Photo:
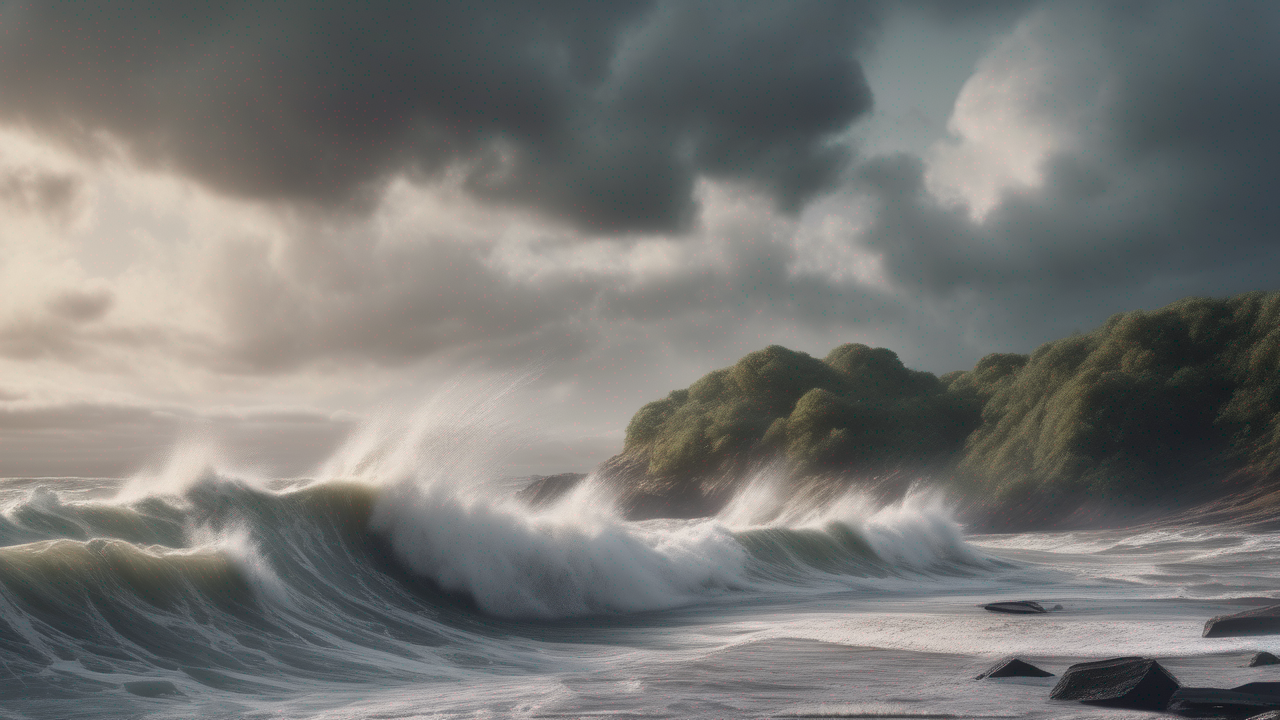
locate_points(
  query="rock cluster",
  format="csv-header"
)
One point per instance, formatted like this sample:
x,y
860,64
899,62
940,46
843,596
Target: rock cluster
x,y
1140,683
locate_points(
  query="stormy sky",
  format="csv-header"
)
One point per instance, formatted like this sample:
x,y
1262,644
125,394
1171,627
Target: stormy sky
x,y
257,225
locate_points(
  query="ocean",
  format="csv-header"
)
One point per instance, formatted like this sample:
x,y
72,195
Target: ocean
x,y
400,581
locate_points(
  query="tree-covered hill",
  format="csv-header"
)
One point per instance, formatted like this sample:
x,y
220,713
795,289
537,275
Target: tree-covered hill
x,y
1166,406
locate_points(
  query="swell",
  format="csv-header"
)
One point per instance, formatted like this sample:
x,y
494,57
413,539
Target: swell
x,y
243,589
255,592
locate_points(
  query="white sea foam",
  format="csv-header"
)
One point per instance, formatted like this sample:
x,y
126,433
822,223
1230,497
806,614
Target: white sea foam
x,y
577,557
564,562
445,520
1086,629
917,532
192,461
237,545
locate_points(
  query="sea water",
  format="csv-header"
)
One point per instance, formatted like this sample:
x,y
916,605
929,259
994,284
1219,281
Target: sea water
x,y
403,581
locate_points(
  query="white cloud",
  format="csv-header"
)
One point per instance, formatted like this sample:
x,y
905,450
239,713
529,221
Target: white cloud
x,y
1036,94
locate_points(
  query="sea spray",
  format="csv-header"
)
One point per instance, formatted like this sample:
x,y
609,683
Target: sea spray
x,y
193,459
448,521
919,532
852,532
578,557
216,580
565,561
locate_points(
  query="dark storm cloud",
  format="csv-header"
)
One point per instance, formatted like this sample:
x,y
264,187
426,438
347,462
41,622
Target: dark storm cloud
x,y
1165,187
603,113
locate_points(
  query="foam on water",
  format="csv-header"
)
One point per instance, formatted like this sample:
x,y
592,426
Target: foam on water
x,y
1092,628
565,561
447,521
218,581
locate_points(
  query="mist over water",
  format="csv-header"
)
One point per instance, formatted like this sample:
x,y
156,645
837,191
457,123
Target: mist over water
x,y
407,563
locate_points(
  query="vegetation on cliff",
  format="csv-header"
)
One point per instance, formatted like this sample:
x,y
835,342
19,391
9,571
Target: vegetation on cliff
x,y
1150,405
859,406
1153,404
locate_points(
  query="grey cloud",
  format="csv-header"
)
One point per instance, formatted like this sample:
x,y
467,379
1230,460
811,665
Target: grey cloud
x,y
32,338
338,295
82,305
606,115
602,113
1167,190
1196,77
343,294
49,193
952,11
1167,193
755,278
71,330
106,440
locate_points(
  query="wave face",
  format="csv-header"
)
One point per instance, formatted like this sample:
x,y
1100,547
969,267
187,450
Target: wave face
x,y
397,564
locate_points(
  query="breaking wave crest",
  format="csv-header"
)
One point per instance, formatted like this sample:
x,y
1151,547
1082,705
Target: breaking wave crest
x,y
392,563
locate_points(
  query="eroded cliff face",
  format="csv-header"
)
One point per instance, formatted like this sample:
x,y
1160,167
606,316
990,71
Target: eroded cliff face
x,y
1153,411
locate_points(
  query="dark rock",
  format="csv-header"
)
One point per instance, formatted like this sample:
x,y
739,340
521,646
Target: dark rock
x,y
152,688
1013,667
1259,688
1128,682
1016,607
1056,607
1237,702
1259,621
546,490
1263,658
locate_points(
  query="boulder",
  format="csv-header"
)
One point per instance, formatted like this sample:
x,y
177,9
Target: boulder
x,y
1013,667
1263,658
1259,688
1241,701
1128,682
1259,621
1016,607
152,688
1273,715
